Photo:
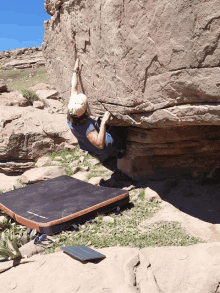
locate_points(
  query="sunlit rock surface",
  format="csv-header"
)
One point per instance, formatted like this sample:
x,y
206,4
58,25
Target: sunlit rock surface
x,y
153,64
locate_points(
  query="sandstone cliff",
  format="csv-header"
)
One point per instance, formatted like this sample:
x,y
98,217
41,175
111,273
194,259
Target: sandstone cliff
x,y
155,65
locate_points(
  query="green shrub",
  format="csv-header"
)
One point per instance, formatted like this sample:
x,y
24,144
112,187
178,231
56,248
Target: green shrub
x,y
30,96
9,248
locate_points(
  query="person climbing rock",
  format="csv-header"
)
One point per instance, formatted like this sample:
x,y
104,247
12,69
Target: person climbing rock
x,y
100,140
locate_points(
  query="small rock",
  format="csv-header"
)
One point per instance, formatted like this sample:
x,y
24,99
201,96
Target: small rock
x,y
2,219
108,219
8,183
58,158
135,197
57,249
93,162
152,195
82,159
102,168
95,180
69,157
38,104
129,187
68,146
76,162
81,175
42,174
40,86
47,94
56,240
54,105
83,152
75,169
86,168
56,163
42,161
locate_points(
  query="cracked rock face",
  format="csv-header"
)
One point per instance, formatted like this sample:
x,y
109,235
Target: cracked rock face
x,y
155,66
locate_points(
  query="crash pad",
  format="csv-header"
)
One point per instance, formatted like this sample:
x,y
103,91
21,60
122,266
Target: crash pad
x,y
54,205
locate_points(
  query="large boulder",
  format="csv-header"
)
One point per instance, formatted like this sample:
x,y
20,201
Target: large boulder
x,y
155,66
27,134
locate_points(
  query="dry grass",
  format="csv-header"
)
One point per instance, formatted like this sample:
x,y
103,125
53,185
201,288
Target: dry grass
x,y
23,79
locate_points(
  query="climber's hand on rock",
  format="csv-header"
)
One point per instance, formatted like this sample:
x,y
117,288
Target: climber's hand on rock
x,y
76,64
106,117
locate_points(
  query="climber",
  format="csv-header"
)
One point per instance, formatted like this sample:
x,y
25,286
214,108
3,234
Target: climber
x,y
100,140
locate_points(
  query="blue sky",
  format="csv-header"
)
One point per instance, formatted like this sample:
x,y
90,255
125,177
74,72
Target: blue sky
x,y
21,24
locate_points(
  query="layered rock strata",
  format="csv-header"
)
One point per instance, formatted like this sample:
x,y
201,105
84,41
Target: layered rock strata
x,y
22,58
155,66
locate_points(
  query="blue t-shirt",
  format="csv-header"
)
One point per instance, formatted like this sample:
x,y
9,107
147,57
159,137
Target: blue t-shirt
x,y
81,131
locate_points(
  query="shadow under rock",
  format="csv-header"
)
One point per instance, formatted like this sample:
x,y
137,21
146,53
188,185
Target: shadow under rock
x,y
199,198
118,180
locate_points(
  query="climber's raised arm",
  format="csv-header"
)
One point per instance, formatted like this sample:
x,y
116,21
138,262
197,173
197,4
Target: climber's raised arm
x,y
74,78
92,135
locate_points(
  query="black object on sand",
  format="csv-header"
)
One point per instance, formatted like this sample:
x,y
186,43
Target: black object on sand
x,y
83,253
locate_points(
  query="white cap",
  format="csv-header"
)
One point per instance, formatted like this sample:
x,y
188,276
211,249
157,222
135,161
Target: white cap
x,y
77,104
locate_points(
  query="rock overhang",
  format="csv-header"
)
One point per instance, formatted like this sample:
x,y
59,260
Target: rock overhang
x,y
153,65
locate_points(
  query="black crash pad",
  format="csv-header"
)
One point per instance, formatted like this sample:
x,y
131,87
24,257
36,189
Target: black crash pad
x,y
54,205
